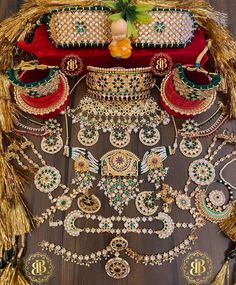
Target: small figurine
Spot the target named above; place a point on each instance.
(120, 47)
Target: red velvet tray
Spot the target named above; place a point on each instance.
(47, 53)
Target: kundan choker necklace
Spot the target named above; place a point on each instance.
(119, 102)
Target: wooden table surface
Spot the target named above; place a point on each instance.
(169, 274)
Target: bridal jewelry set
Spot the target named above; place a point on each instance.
(119, 101)
(122, 104)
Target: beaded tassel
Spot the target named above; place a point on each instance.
(12, 274)
(223, 274)
(14, 219)
(228, 226)
(6, 109)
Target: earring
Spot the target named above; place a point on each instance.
(52, 143)
(190, 147)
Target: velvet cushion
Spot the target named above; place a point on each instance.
(47, 53)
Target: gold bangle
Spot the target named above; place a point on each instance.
(43, 110)
(189, 92)
(204, 106)
(37, 88)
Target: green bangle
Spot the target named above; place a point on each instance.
(15, 81)
(214, 82)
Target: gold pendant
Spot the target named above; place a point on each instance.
(190, 147)
(88, 137)
(117, 268)
(89, 204)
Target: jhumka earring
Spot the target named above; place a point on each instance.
(190, 145)
(187, 91)
(40, 90)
